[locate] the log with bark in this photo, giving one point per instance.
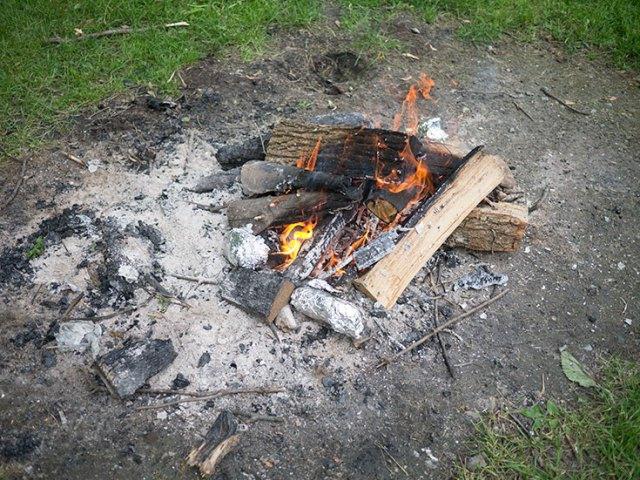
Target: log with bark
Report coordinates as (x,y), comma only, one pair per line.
(264,212)
(217,181)
(259,177)
(236,154)
(262,293)
(126,369)
(221,438)
(499,227)
(446,209)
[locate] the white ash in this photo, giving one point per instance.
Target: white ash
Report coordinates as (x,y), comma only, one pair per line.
(129,273)
(342,316)
(432,128)
(79,336)
(244,249)
(481,278)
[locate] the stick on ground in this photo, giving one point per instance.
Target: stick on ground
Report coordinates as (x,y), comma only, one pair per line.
(437,330)
(563,103)
(216,394)
(445,355)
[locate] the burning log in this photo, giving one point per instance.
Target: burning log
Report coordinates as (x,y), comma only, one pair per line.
(445,210)
(386,205)
(340,315)
(302,266)
(376,250)
(262,293)
(264,212)
(126,369)
(259,177)
(497,228)
(218,442)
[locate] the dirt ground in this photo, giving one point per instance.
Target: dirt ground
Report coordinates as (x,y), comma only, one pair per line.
(575,282)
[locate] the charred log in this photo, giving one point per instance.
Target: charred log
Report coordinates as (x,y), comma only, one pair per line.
(235,155)
(265,212)
(221,438)
(217,181)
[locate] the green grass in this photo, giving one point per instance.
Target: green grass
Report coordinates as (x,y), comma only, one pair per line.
(36,249)
(41,84)
(597,439)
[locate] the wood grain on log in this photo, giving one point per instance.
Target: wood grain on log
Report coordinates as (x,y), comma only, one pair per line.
(126,369)
(497,228)
(447,208)
(262,293)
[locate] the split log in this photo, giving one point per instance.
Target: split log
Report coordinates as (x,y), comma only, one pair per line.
(235,155)
(375,251)
(303,265)
(497,228)
(126,369)
(217,181)
(265,212)
(338,314)
(218,442)
(259,177)
(261,293)
(446,209)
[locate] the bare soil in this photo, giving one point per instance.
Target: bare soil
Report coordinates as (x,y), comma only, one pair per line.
(575,282)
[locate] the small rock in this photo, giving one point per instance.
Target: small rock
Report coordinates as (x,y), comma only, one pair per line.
(162,415)
(621,266)
(129,273)
(483,316)
(628,321)
(476,462)
(415,30)
(204,359)
(180,382)
(285,320)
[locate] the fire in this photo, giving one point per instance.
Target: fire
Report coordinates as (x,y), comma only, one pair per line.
(309,163)
(359,242)
(408,113)
(292,238)
(420,178)
(332,262)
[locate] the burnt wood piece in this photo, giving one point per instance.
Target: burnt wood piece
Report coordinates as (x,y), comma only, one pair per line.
(446,209)
(496,228)
(126,369)
(221,438)
(217,181)
(386,205)
(265,212)
(352,151)
(345,119)
(373,252)
(303,265)
(259,177)
(237,154)
(261,293)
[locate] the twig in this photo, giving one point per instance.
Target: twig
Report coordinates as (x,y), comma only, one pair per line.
(562,102)
(445,355)
(116,313)
(114,31)
(437,330)
(213,395)
(201,280)
(517,421)
(17,186)
(72,305)
(35,295)
(522,110)
(386,451)
(209,208)
(75,159)
(535,205)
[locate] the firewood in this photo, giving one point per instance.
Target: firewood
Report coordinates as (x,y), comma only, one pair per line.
(221,438)
(338,314)
(217,181)
(498,228)
(262,293)
(446,209)
(386,205)
(373,252)
(126,369)
(259,177)
(265,212)
(302,266)
(235,155)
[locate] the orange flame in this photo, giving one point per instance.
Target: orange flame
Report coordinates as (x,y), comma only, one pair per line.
(333,261)
(309,163)
(420,178)
(292,238)
(359,242)
(408,115)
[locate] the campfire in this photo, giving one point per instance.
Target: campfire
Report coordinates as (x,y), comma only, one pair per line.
(340,202)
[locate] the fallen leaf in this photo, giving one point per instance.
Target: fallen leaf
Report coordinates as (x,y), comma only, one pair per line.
(410,55)
(574,371)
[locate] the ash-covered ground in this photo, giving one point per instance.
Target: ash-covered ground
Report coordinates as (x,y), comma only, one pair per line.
(131,218)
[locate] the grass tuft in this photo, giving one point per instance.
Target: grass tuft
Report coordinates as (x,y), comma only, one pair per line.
(599,438)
